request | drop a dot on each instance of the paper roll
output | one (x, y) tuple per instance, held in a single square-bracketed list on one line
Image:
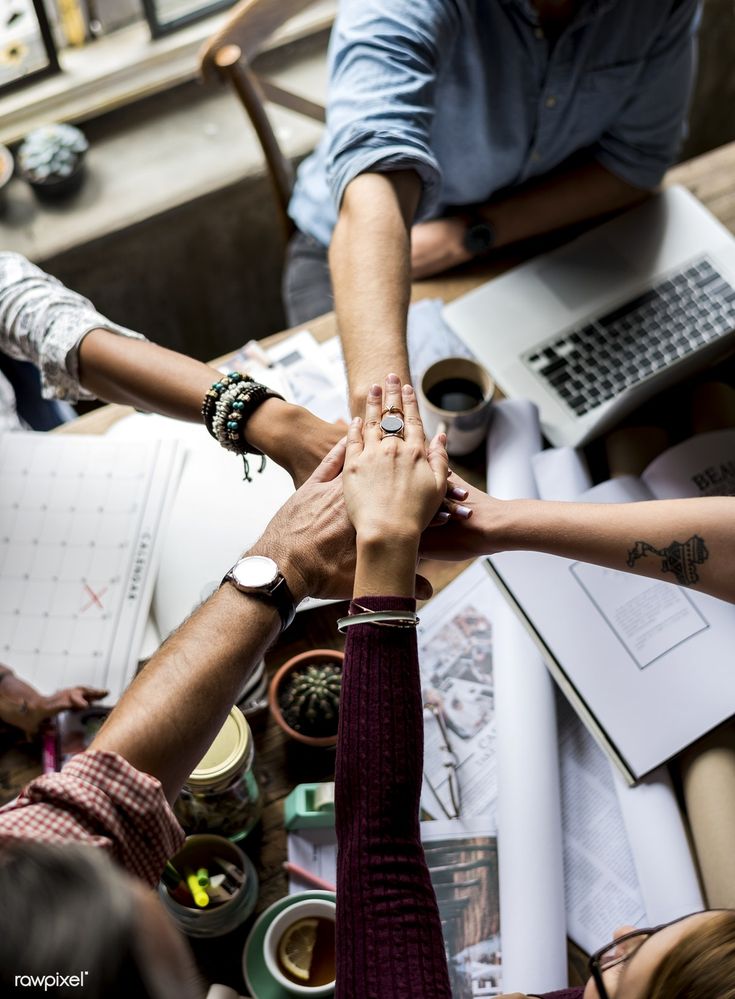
[(708, 780), (530, 856), (658, 841), (630, 449), (561, 473)]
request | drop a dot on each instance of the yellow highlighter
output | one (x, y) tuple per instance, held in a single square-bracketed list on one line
[(199, 895)]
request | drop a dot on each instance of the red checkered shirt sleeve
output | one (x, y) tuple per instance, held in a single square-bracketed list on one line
[(100, 799)]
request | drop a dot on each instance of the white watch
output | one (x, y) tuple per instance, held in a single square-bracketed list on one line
[(260, 577)]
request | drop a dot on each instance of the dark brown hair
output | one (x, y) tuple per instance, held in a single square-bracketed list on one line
[(701, 966)]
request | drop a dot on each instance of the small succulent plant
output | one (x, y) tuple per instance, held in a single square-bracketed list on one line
[(52, 152), (310, 699)]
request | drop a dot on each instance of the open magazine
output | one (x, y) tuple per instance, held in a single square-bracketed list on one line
[(627, 649)]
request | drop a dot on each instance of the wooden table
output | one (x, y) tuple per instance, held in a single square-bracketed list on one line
[(283, 764)]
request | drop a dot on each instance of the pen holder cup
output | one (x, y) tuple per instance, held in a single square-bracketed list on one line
[(216, 919)]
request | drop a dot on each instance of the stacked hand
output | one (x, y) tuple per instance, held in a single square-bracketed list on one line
[(373, 492)]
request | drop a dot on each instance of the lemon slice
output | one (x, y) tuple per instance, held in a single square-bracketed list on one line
[(297, 946)]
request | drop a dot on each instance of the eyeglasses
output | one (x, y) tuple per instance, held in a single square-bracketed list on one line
[(451, 763), (622, 950)]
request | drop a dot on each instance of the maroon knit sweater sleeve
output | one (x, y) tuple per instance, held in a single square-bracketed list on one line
[(389, 940)]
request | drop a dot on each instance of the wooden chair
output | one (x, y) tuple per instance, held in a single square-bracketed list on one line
[(229, 54)]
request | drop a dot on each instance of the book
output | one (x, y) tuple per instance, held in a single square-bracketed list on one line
[(644, 662)]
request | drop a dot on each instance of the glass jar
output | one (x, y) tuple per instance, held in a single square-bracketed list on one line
[(215, 920), (222, 795)]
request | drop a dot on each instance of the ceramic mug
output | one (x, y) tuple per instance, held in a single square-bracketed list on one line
[(466, 422), (322, 908)]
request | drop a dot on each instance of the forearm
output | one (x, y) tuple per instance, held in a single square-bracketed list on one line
[(156, 380), (170, 714), (635, 537), (568, 196), (389, 941), (371, 276)]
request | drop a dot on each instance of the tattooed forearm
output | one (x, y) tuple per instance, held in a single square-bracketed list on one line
[(681, 558)]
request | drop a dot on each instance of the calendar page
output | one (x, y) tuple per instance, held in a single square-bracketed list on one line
[(81, 525)]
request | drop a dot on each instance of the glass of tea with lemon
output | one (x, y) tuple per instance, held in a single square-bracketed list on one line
[(299, 947)]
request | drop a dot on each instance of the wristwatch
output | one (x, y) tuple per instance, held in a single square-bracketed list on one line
[(479, 236), (260, 577)]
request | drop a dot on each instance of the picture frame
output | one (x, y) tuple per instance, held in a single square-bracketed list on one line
[(27, 47), (165, 16)]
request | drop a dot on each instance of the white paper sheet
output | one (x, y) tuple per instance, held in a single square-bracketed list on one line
[(531, 872), (701, 466), (214, 518)]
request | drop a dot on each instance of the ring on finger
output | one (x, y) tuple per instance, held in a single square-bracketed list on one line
[(392, 423)]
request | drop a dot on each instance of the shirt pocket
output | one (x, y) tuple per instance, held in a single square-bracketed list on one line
[(610, 80)]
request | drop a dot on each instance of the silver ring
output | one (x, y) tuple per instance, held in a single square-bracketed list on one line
[(392, 423)]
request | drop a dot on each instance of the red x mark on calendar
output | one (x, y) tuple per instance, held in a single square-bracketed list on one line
[(95, 597)]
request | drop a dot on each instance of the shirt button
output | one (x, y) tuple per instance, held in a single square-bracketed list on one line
[(551, 102), (535, 156), (539, 32)]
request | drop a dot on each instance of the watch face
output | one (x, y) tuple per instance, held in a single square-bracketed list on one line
[(255, 571), (479, 238)]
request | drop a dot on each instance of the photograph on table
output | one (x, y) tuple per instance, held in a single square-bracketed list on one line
[(27, 50)]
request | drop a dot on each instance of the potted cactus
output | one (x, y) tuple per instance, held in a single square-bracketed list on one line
[(51, 159), (304, 696)]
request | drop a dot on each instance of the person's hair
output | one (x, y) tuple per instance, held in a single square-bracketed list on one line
[(701, 966), (65, 909)]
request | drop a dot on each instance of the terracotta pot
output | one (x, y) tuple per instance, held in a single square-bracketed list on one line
[(280, 676)]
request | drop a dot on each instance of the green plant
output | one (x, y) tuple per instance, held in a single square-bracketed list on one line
[(54, 151), (309, 700)]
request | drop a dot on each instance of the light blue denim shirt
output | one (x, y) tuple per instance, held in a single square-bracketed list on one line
[(471, 95)]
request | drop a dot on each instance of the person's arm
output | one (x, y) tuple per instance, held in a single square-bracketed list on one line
[(686, 541), (381, 170), (370, 263), (389, 939), (157, 380), (172, 711), (568, 196), (80, 353)]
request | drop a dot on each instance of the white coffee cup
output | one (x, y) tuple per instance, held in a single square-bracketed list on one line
[(323, 908), (465, 428)]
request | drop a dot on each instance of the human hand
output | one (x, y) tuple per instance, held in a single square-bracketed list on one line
[(393, 487), (22, 706), (438, 246), (460, 539), (311, 440)]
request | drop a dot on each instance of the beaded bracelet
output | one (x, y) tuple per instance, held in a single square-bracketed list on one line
[(226, 408), (386, 619)]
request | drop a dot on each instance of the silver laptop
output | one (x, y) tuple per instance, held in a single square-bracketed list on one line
[(595, 328)]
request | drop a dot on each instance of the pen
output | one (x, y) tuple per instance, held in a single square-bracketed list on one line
[(49, 756), (171, 877), (307, 877), (203, 877)]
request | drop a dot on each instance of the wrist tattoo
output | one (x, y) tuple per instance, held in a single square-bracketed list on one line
[(681, 558)]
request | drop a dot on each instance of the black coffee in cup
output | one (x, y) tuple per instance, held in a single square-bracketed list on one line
[(454, 395)]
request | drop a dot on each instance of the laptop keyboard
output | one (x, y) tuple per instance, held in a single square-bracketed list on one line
[(675, 317)]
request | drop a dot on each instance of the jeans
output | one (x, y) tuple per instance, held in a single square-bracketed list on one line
[(307, 286)]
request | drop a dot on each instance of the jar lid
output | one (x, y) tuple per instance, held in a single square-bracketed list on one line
[(227, 753)]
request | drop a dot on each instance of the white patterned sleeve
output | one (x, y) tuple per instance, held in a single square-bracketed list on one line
[(44, 322)]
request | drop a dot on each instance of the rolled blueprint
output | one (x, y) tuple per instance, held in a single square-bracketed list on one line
[(663, 860), (561, 473), (531, 871), (708, 779)]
